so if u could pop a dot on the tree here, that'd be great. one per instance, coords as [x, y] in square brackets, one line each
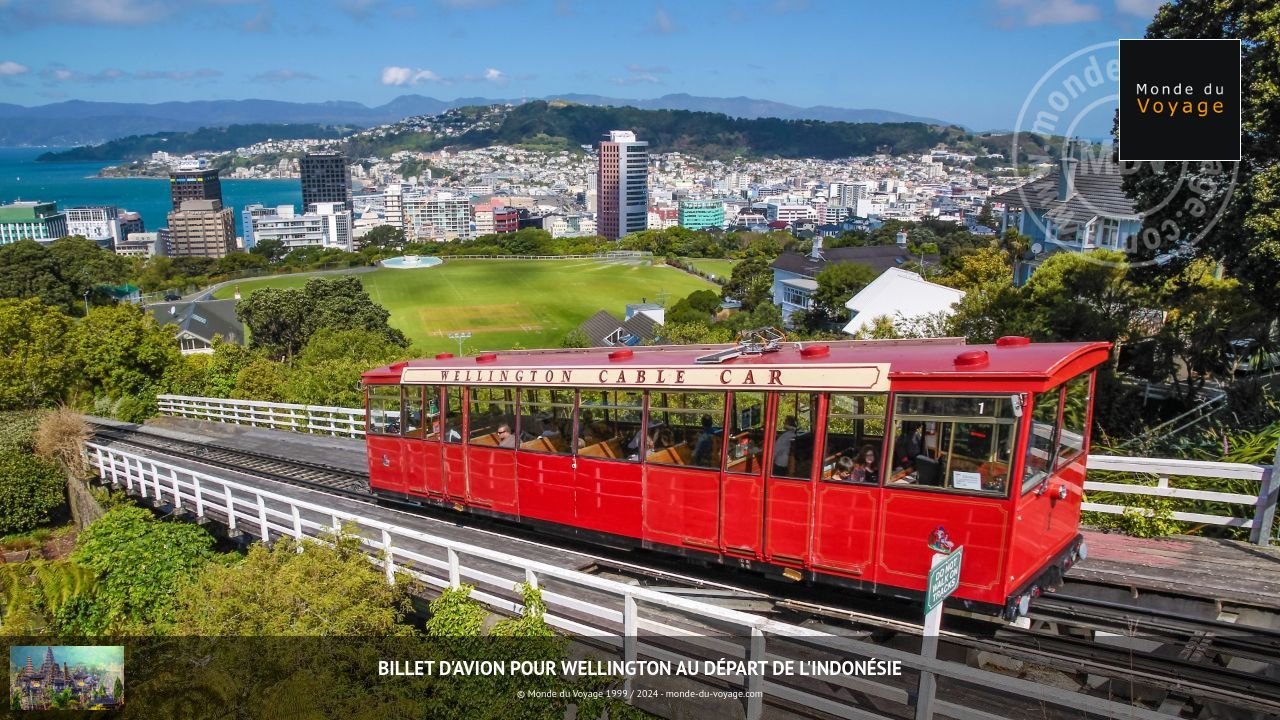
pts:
[987, 217]
[124, 351]
[282, 321]
[1246, 235]
[141, 564]
[1082, 296]
[274, 250]
[575, 338]
[750, 283]
[837, 283]
[383, 236]
[239, 262]
[987, 266]
[37, 358]
[85, 265]
[29, 270]
[328, 589]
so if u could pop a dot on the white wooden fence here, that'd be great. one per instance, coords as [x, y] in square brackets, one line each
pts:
[350, 422]
[635, 621]
[315, 419]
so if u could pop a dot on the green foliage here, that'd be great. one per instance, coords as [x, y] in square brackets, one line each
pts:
[383, 236]
[84, 264]
[17, 431]
[575, 339]
[37, 359]
[455, 614]
[1145, 516]
[837, 283]
[35, 592]
[136, 409]
[30, 270]
[327, 589]
[30, 490]
[141, 564]
[223, 368]
[230, 137]
[123, 351]
[282, 321]
[750, 283]
[262, 379]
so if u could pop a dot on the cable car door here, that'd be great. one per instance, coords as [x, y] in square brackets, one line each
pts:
[789, 477]
[454, 453]
[847, 494]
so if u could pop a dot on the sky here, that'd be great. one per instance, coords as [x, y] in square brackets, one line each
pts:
[967, 61]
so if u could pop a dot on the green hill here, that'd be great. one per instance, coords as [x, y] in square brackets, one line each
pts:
[218, 139]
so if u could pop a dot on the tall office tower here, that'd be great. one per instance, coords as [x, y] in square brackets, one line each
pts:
[202, 228]
[325, 179]
[623, 185]
[193, 184]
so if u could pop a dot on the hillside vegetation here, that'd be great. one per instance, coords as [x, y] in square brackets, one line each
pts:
[216, 139]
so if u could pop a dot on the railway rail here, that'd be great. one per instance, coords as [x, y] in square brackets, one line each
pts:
[1183, 656]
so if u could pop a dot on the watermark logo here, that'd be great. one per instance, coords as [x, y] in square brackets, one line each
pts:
[1075, 201]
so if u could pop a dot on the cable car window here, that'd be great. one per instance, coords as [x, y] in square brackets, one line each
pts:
[793, 435]
[855, 434]
[431, 408]
[686, 428]
[492, 418]
[453, 414]
[746, 433]
[1075, 413]
[609, 425]
[546, 421]
[1043, 440]
[412, 411]
[384, 409]
[957, 443]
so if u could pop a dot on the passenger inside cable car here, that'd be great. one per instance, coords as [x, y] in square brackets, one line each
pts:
[954, 442]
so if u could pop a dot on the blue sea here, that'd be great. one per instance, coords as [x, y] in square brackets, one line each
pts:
[71, 184]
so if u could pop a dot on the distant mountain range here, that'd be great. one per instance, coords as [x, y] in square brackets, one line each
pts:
[80, 122]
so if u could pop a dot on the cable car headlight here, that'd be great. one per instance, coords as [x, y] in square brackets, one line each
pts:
[1024, 604]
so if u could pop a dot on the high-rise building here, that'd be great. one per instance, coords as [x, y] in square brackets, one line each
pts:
[26, 220]
[623, 185]
[194, 184]
[249, 215]
[202, 228]
[699, 214]
[325, 179]
[145, 244]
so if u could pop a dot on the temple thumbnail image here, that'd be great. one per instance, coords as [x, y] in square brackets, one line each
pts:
[88, 678]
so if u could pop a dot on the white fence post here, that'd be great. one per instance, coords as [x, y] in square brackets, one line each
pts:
[455, 573]
[391, 563]
[195, 482]
[630, 636]
[1265, 515]
[755, 681]
[231, 507]
[262, 518]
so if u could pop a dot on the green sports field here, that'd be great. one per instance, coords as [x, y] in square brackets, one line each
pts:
[504, 302]
[712, 266]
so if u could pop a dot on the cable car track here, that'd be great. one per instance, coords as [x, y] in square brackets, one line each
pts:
[1190, 676]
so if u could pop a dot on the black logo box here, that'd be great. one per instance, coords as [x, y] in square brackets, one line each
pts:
[1186, 69]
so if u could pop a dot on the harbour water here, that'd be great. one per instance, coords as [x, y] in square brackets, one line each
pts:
[71, 184]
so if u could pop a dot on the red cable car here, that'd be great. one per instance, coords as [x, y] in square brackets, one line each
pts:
[848, 463]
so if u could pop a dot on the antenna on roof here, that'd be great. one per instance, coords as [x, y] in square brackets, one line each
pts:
[750, 342]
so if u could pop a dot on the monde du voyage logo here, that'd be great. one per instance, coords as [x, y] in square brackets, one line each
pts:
[1180, 100]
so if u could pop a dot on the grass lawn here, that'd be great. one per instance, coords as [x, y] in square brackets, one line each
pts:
[712, 266]
[504, 302]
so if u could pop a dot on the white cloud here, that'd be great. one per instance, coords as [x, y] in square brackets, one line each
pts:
[495, 75]
[1051, 12]
[394, 75]
[662, 22]
[9, 68]
[1140, 8]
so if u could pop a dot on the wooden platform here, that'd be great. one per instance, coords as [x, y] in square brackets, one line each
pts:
[1195, 567]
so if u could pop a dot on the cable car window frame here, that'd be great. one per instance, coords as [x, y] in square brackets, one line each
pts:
[530, 400]
[377, 410]
[612, 410]
[1031, 482]
[1016, 404]
[860, 420]
[407, 408]
[510, 401]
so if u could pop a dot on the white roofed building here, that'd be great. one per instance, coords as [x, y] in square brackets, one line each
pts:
[900, 295]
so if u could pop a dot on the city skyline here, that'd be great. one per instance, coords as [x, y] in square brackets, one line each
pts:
[902, 58]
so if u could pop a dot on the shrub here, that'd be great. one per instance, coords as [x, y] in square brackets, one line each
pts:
[141, 563]
[135, 409]
[30, 490]
[17, 430]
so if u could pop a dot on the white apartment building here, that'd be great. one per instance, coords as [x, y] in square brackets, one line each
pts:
[789, 212]
[99, 223]
[483, 220]
[436, 217]
[327, 225]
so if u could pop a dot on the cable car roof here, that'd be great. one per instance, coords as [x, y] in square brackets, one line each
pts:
[825, 365]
